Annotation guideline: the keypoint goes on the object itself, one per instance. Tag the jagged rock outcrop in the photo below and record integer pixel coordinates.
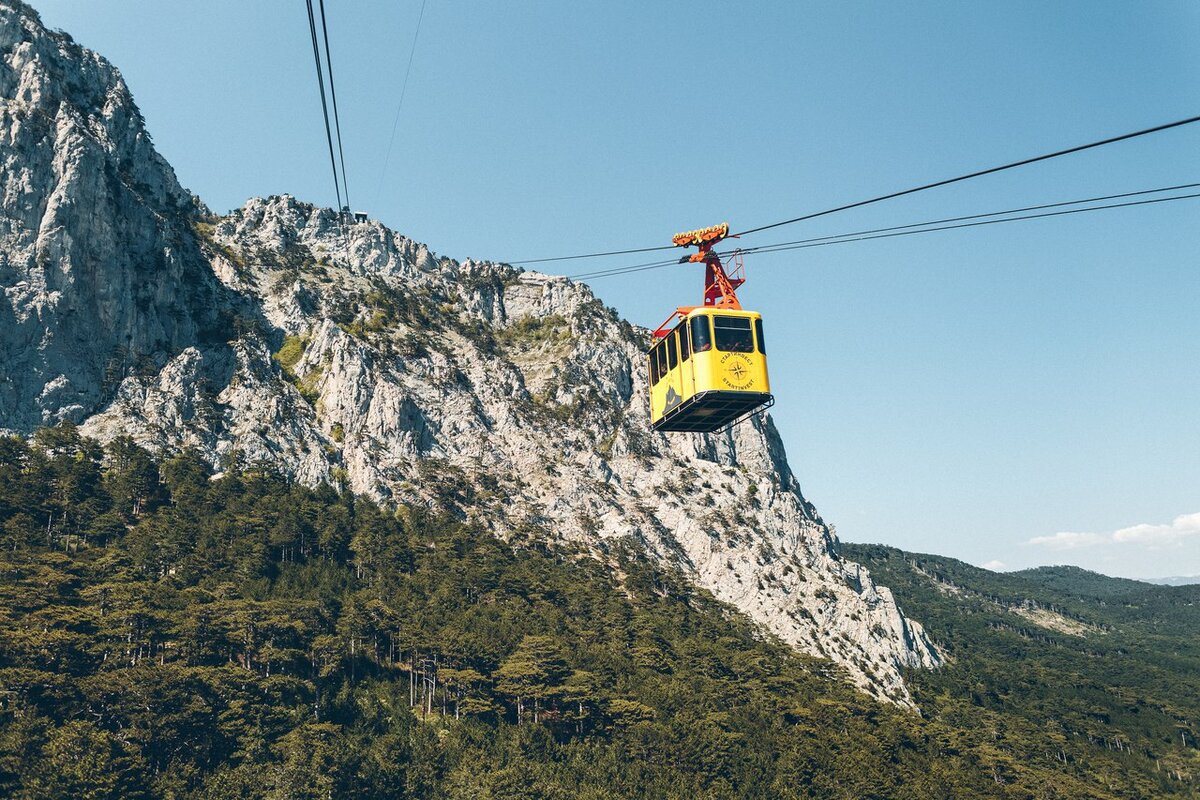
(347, 353)
(100, 269)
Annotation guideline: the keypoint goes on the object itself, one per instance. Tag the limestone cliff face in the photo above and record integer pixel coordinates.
(347, 353)
(99, 267)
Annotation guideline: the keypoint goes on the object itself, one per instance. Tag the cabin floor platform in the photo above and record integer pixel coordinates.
(712, 410)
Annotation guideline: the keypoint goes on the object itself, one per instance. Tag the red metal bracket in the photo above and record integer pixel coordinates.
(720, 285)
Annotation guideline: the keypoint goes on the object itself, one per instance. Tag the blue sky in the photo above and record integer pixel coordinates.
(1018, 394)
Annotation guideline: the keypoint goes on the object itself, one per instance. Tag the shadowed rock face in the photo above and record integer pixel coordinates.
(350, 354)
(98, 263)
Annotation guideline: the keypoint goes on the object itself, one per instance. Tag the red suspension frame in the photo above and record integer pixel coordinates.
(720, 285)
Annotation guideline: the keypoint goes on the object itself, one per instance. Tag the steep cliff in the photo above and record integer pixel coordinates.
(98, 263)
(347, 353)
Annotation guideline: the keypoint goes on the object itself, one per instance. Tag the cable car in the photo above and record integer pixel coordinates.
(708, 363)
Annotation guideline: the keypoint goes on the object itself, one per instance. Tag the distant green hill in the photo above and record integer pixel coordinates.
(1105, 663)
(167, 633)
(1076, 580)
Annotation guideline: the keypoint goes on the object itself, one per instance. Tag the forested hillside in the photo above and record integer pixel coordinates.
(1100, 665)
(168, 633)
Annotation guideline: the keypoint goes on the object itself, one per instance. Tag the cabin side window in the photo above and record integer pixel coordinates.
(655, 369)
(762, 345)
(701, 335)
(732, 334)
(672, 353)
(685, 344)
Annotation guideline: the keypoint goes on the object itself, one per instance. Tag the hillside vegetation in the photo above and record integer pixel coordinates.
(168, 633)
(1102, 666)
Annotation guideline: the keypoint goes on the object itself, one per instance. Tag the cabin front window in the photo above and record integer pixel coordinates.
(732, 334)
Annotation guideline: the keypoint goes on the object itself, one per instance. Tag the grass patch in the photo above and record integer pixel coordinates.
(532, 331)
(288, 356)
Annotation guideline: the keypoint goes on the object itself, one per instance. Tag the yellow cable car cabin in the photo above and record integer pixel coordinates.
(709, 371)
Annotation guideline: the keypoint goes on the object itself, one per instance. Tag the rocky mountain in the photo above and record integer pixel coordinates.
(346, 353)
(1176, 580)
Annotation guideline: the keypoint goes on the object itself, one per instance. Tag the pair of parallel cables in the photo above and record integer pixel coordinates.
(340, 181)
(972, 220)
(338, 184)
(931, 226)
(950, 223)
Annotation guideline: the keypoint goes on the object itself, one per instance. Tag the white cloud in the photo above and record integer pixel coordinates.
(1068, 540)
(1182, 527)
(1147, 551)
(995, 565)
(1185, 526)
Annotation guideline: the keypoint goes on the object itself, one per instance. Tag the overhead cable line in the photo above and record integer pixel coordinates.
(337, 123)
(985, 222)
(604, 273)
(593, 255)
(403, 91)
(914, 190)
(312, 27)
(968, 176)
(769, 247)
(876, 234)
(906, 230)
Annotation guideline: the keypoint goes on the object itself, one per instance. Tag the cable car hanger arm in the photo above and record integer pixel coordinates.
(720, 285)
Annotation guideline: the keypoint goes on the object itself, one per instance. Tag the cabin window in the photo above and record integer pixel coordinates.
(762, 345)
(657, 363)
(672, 353)
(701, 335)
(732, 334)
(685, 345)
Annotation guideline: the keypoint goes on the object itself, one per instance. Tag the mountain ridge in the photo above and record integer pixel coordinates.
(348, 354)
